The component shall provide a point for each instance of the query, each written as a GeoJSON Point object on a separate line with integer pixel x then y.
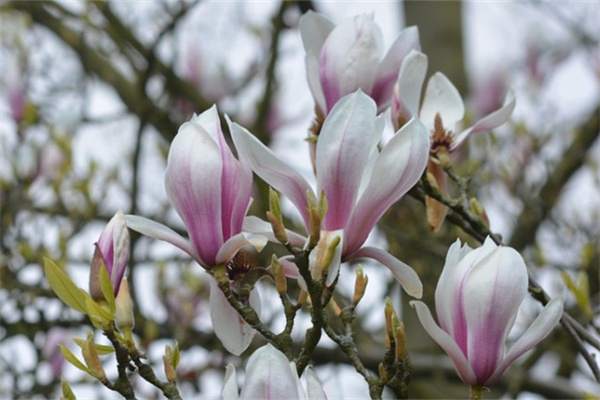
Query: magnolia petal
{"type": "Point", "coordinates": [155, 230]}
{"type": "Point", "coordinates": [403, 273]}
{"type": "Point", "coordinates": [269, 376]}
{"type": "Point", "coordinates": [114, 247]}
{"type": "Point", "coordinates": [442, 97]}
{"type": "Point", "coordinates": [492, 291]}
{"type": "Point", "coordinates": [388, 68]}
{"type": "Point", "coordinates": [314, 389]}
{"type": "Point", "coordinates": [314, 29]}
{"type": "Point", "coordinates": [537, 331]}
{"type": "Point", "coordinates": [409, 85]}
{"type": "Point", "coordinates": [193, 184]}
{"type": "Point", "coordinates": [237, 242]}
{"type": "Point", "coordinates": [349, 58]}
{"type": "Point", "coordinates": [397, 169]}
{"type": "Point", "coordinates": [230, 389]}
{"type": "Point", "coordinates": [341, 156]}
{"type": "Point", "coordinates": [314, 82]}
{"type": "Point", "coordinates": [231, 329]}
{"type": "Point", "coordinates": [491, 121]}
{"type": "Point", "coordinates": [461, 365]}
{"type": "Point", "coordinates": [257, 226]}
{"type": "Point", "coordinates": [272, 170]}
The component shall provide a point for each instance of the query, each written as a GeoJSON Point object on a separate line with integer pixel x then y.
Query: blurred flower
{"type": "Point", "coordinates": [341, 59]}
{"type": "Point", "coordinates": [477, 299]}
{"type": "Point", "coordinates": [359, 182]}
{"type": "Point", "coordinates": [51, 350]}
{"type": "Point", "coordinates": [112, 250]}
{"type": "Point", "coordinates": [210, 190]}
{"type": "Point", "coordinates": [269, 375]}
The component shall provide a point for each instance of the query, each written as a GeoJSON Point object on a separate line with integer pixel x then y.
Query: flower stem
{"type": "Point", "coordinates": [476, 392]}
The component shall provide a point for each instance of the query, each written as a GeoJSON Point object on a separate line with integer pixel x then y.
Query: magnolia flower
{"type": "Point", "coordinates": [441, 112]}
{"type": "Point", "coordinates": [112, 250]}
{"type": "Point", "coordinates": [477, 299]}
{"type": "Point", "coordinates": [359, 182]}
{"type": "Point", "coordinates": [341, 59]}
{"type": "Point", "coordinates": [210, 190]}
{"type": "Point", "coordinates": [269, 375]}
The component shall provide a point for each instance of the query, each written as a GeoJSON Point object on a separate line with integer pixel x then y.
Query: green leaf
{"type": "Point", "coordinates": [66, 391]}
{"type": "Point", "coordinates": [107, 288]}
{"type": "Point", "coordinates": [64, 287]}
{"type": "Point", "coordinates": [100, 348]}
{"type": "Point", "coordinates": [176, 356]}
{"type": "Point", "coordinates": [70, 357]}
{"type": "Point", "coordinates": [100, 317]}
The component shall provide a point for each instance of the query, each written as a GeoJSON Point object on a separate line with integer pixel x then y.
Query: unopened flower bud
{"type": "Point", "coordinates": [279, 275]}
{"type": "Point", "coordinates": [400, 337]}
{"type": "Point", "coordinates": [90, 355]}
{"type": "Point", "coordinates": [124, 317]}
{"type": "Point", "coordinates": [169, 364]}
{"type": "Point", "coordinates": [390, 313]}
{"type": "Point", "coordinates": [478, 210]}
{"type": "Point", "coordinates": [278, 228]}
{"type": "Point", "coordinates": [360, 285]}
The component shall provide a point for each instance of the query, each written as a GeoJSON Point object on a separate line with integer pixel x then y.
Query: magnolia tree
{"type": "Point", "coordinates": [272, 274]}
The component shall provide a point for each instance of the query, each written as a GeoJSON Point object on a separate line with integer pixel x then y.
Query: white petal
{"type": "Point", "coordinates": [341, 157]}
{"type": "Point", "coordinates": [257, 226]}
{"type": "Point", "coordinates": [537, 331]}
{"type": "Point", "coordinates": [442, 97]}
{"type": "Point", "coordinates": [235, 334]}
{"type": "Point", "coordinates": [230, 389]}
{"type": "Point", "coordinates": [404, 274]}
{"type": "Point", "coordinates": [155, 230]}
{"type": "Point", "coordinates": [272, 170]}
{"type": "Point", "coordinates": [314, 389]}
{"type": "Point", "coordinates": [314, 29]}
{"type": "Point", "coordinates": [491, 121]}
{"type": "Point", "coordinates": [410, 83]}
{"type": "Point", "coordinates": [239, 241]}
{"type": "Point", "coordinates": [446, 342]}
{"type": "Point", "coordinates": [269, 376]}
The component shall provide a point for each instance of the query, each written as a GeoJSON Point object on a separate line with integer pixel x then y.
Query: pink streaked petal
{"type": "Point", "coordinates": [272, 170]}
{"type": "Point", "coordinates": [121, 250]}
{"type": "Point", "coordinates": [230, 389]}
{"type": "Point", "coordinates": [229, 326]}
{"type": "Point", "coordinates": [158, 231]}
{"type": "Point", "coordinates": [389, 66]}
{"type": "Point", "coordinates": [256, 225]}
{"type": "Point", "coordinates": [399, 166]}
{"type": "Point", "coordinates": [341, 155]}
{"type": "Point", "coordinates": [237, 242]}
{"type": "Point", "coordinates": [404, 274]}
{"type": "Point", "coordinates": [410, 83]}
{"type": "Point", "coordinates": [269, 376]}
{"type": "Point", "coordinates": [193, 184]}
{"type": "Point", "coordinates": [446, 342]}
{"type": "Point", "coordinates": [493, 291]}
{"type": "Point", "coordinates": [442, 97]}
{"type": "Point", "coordinates": [537, 331]}
{"type": "Point", "coordinates": [491, 121]}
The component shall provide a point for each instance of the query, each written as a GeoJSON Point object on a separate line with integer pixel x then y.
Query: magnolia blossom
{"type": "Point", "coordinates": [112, 250]}
{"type": "Point", "coordinates": [359, 182]}
{"type": "Point", "coordinates": [341, 59]}
{"type": "Point", "coordinates": [210, 190]}
{"type": "Point", "coordinates": [477, 299]}
{"type": "Point", "coordinates": [269, 375]}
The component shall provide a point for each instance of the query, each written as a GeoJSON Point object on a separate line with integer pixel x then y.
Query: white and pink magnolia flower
{"type": "Point", "coordinates": [344, 58]}
{"type": "Point", "coordinates": [210, 190]}
{"type": "Point", "coordinates": [359, 182]}
{"type": "Point", "coordinates": [443, 109]}
{"type": "Point", "coordinates": [477, 299]}
{"type": "Point", "coordinates": [269, 375]}
{"type": "Point", "coordinates": [112, 250]}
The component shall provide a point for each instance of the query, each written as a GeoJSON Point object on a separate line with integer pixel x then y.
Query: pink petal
{"type": "Point", "coordinates": [493, 291]}
{"type": "Point", "coordinates": [388, 68]}
{"type": "Point", "coordinates": [537, 331]}
{"type": "Point", "coordinates": [442, 97]}
{"type": "Point", "coordinates": [398, 168]}
{"type": "Point", "coordinates": [491, 121]}
{"type": "Point", "coordinates": [271, 169]}
{"type": "Point", "coordinates": [231, 329]}
{"type": "Point", "coordinates": [193, 183]}
{"type": "Point", "coordinates": [269, 376]}
{"type": "Point", "coordinates": [463, 369]}
{"type": "Point", "coordinates": [341, 157]}
{"type": "Point", "coordinates": [404, 274]}
{"type": "Point", "coordinates": [155, 230]}
{"type": "Point", "coordinates": [114, 247]}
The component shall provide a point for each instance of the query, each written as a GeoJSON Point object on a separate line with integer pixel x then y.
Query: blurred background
{"type": "Point", "coordinates": [92, 93]}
